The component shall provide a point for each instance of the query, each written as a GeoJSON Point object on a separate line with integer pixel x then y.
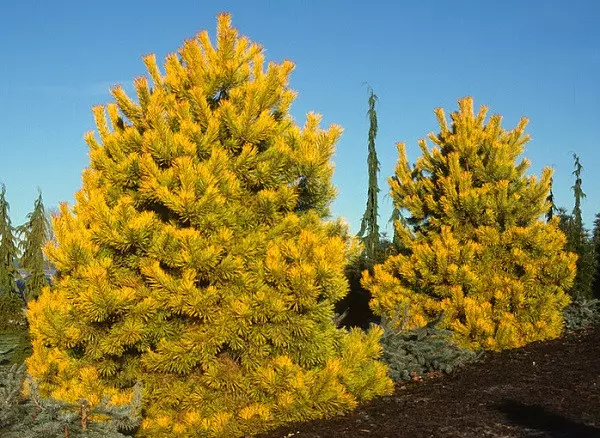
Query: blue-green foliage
{"type": "Point", "coordinates": [416, 352]}
{"type": "Point", "coordinates": [582, 313]}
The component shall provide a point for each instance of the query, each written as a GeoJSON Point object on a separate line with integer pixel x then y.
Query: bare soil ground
{"type": "Point", "coordinates": [546, 389]}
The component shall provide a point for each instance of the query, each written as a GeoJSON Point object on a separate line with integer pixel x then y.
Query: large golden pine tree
{"type": "Point", "coordinates": [477, 254]}
{"type": "Point", "coordinates": [198, 259]}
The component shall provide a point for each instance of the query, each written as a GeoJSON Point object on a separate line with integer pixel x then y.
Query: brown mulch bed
{"type": "Point", "coordinates": [546, 389]}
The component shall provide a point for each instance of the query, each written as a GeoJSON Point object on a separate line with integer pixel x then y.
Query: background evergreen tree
{"type": "Point", "coordinates": [198, 257]}
{"type": "Point", "coordinates": [355, 306]}
{"type": "Point", "coordinates": [8, 248]}
{"type": "Point", "coordinates": [596, 245]}
{"type": "Point", "coordinates": [478, 255]}
{"type": "Point", "coordinates": [578, 239]}
{"type": "Point", "coordinates": [576, 235]}
{"type": "Point", "coordinates": [369, 219]}
{"type": "Point", "coordinates": [550, 200]}
{"type": "Point", "coordinates": [35, 233]}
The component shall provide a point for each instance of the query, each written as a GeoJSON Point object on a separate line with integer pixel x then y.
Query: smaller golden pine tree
{"type": "Point", "coordinates": [476, 247]}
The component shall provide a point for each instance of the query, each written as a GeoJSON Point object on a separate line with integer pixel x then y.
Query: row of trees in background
{"type": "Point", "coordinates": [22, 262]}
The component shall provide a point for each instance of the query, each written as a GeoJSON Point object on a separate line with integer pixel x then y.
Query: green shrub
{"type": "Point", "coordinates": [11, 311]}
{"type": "Point", "coordinates": [416, 352]}
{"type": "Point", "coordinates": [15, 346]}
{"type": "Point", "coordinates": [582, 313]}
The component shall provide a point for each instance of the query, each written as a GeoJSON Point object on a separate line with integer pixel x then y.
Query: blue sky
{"type": "Point", "coordinates": [539, 58]}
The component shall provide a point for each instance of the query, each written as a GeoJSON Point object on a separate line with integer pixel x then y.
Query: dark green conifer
{"type": "Point", "coordinates": [550, 200]}
{"type": "Point", "coordinates": [369, 219]}
{"type": "Point", "coordinates": [578, 239]}
{"type": "Point", "coordinates": [578, 230]}
{"type": "Point", "coordinates": [596, 246]}
{"type": "Point", "coordinates": [35, 233]}
{"type": "Point", "coordinates": [8, 248]}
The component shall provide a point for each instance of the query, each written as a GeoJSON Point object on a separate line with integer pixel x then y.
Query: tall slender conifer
{"type": "Point", "coordinates": [35, 232]}
{"type": "Point", "coordinates": [8, 248]}
{"type": "Point", "coordinates": [369, 223]}
{"type": "Point", "coordinates": [578, 239]}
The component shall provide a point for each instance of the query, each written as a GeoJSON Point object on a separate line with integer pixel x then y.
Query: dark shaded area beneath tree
{"type": "Point", "coordinates": [546, 389]}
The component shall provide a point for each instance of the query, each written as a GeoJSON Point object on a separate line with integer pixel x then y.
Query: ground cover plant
{"type": "Point", "coordinates": [582, 313]}
{"type": "Point", "coordinates": [413, 354]}
{"type": "Point", "coordinates": [198, 259]}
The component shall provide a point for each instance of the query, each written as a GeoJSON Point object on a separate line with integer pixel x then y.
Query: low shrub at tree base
{"type": "Point", "coordinates": [417, 352]}
{"type": "Point", "coordinates": [582, 313]}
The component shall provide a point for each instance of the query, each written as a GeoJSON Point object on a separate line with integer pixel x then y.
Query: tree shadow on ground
{"type": "Point", "coordinates": [540, 419]}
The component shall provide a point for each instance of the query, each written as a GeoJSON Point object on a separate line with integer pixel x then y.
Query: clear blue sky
{"type": "Point", "coordinates": [536, 58]}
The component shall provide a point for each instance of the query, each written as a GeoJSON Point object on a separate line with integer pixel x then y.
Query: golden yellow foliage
{"type": "Point", "coordinates": [474, 245]}
{"type": "Point", "coordinates": [197, 258]}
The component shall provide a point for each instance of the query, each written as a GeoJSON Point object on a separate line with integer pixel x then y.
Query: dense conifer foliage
{"type": "Point", "coordinates": [34, 416]}
{"type": "Point", "coordinates": [476, 247]}
{"type": "Point", "coordinates": [579, 240]}
{"type": "Point", "coordinates": [8, 248]}
{"type": "Point", "coordinates": [596, 246]}
{"type": "Point", "coordinates": [35, 232]}
{"type": "Point", "coordinates": [198, 257]}
{"type": "Point", "coordinates": [369, 221]}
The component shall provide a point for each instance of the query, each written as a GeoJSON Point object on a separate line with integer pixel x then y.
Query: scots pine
{"type": "Point", "coordinates": [199, 258]}
{"type": "Point", "coordinates": [477, 249]}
